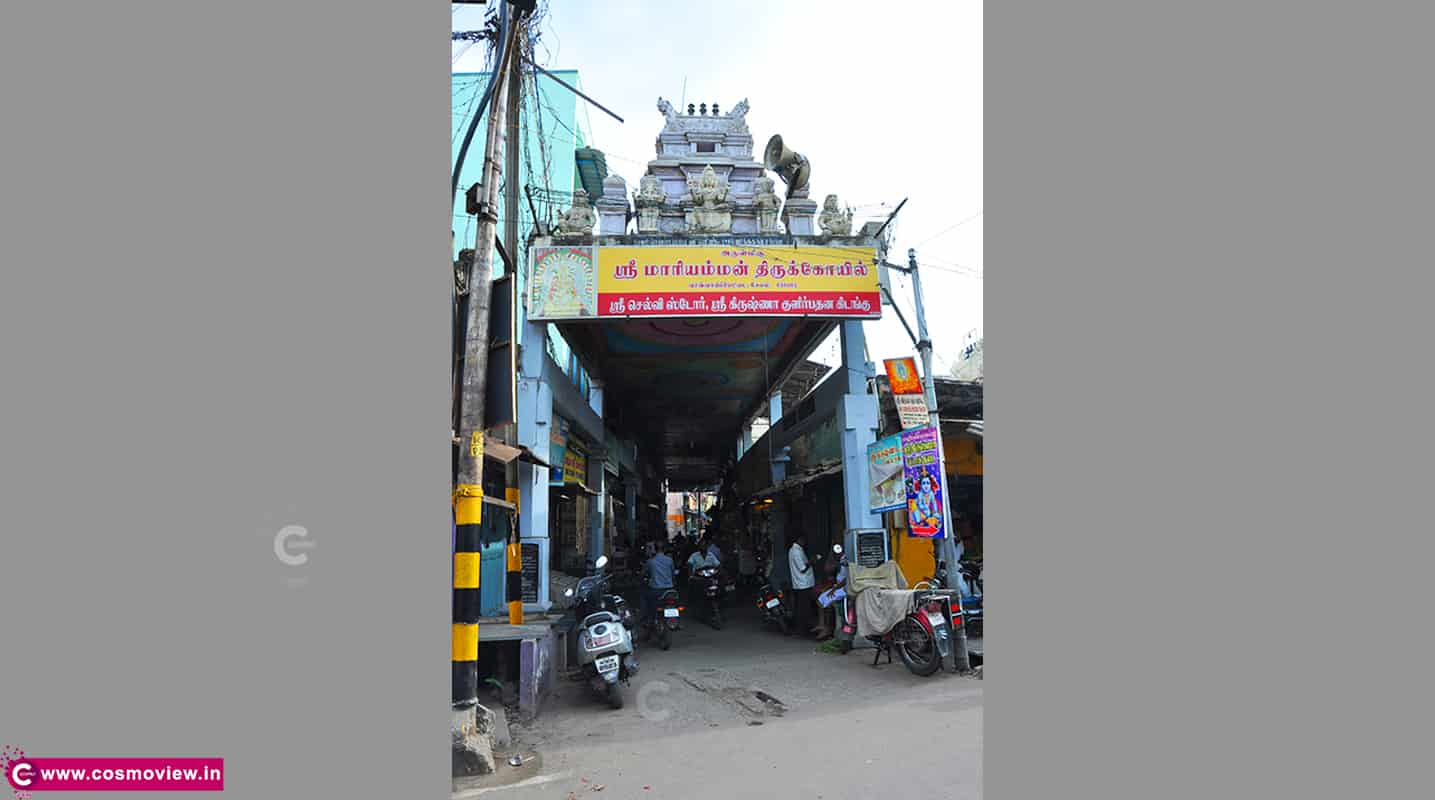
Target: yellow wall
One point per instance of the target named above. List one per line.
(962, 455)
(914, 556)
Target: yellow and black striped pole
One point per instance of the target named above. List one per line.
(513, 590)
(467, 512)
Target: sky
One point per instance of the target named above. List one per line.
(885, 100)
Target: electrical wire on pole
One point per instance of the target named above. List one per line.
(468, 483)
(947, 544)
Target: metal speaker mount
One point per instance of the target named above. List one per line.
(793, 168)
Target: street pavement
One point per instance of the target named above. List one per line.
(747, 712)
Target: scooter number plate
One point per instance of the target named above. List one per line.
(606, 664)
(773, 603)
(670, 613)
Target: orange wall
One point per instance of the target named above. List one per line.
(962, 455)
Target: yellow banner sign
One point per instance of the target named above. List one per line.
(704, 281)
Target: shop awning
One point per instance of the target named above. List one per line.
(494, 501)
(798, 480)
(582, 487)
(504, 453)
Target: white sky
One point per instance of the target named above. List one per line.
(884, 99)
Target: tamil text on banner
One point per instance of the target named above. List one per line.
(575, 465)
(884, 466)
(922, 466)
(703, 281)
(907, 392)
(557, 448)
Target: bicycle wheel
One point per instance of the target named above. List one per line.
(916, 647)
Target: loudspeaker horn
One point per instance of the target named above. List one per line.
(793, 168)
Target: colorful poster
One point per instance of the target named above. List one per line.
(885, 474)
(907, 392)
(575, 465)
(562, 284)
(770, 280)
(557, 448)
(902, 375)
(922, 468)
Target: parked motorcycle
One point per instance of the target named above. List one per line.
(923, 638)
(605, 646)
(774, 607)
(708, 593)
(971, 572)
(666, 619)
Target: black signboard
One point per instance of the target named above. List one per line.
(871, 547)
(529, 553)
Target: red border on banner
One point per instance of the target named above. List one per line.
(863, 305)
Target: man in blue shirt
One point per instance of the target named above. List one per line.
(657, 578)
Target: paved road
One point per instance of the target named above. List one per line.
(746, 712)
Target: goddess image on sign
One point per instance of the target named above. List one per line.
(563, 285)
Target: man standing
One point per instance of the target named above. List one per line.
(800, 572)
(657, 578)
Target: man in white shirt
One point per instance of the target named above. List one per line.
(800, 573)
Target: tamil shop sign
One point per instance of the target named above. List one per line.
(603, 281)
(907, 392)
(575, 465)
(922, 466)
(885, 474)
(907, 470)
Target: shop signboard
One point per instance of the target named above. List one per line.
(907, 392)
(557, 447)
(922, 467)
(528, 572)
(575, 465)
(885, 474)
(696, 280)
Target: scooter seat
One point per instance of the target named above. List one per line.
(599, 616)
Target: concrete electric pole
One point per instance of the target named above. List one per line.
(947, 544)
(468, 488)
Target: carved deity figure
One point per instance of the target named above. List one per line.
(739, 110)
(649, 200)
(708, 210)
(834, 221)
(667, 109)
(579, 219)
(767, 203)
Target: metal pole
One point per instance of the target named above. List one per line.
(947, 545)
(468, 489)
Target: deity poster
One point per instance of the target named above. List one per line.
(922, 469)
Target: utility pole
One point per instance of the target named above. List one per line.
(468, 489)
(513, 552)
(947, 544)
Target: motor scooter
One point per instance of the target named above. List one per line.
(971, 572)
(605, 646)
